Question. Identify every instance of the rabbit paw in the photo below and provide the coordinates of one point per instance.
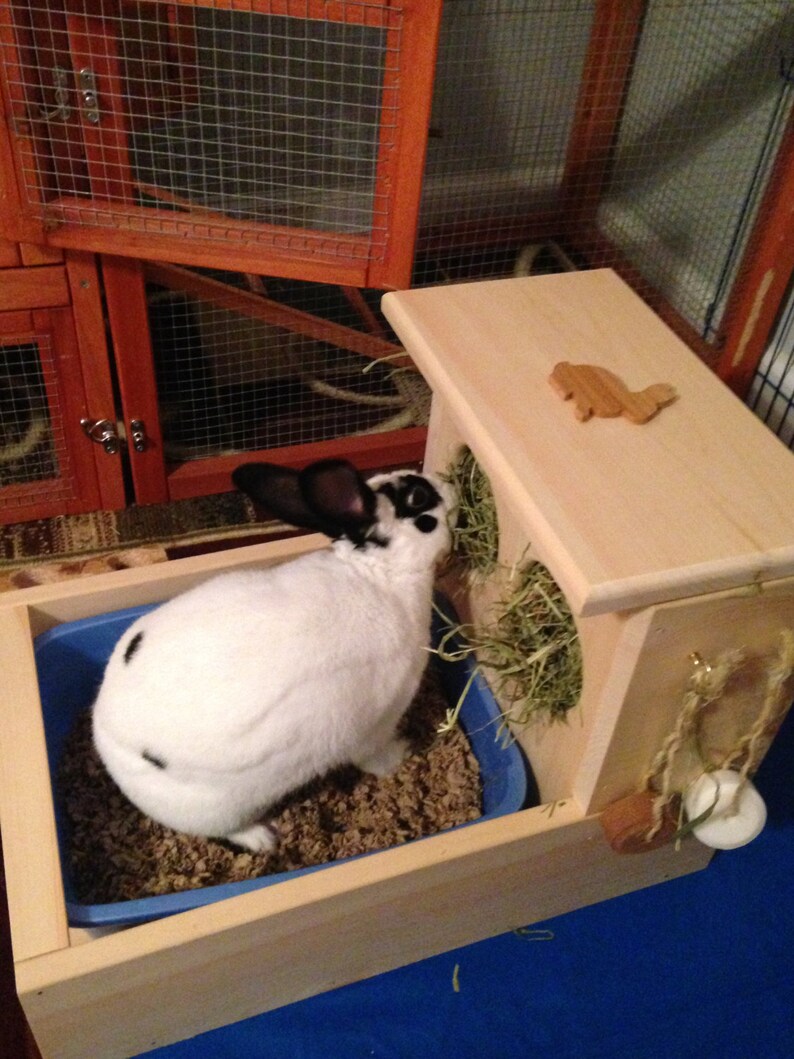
(259, 838)
(385, 760)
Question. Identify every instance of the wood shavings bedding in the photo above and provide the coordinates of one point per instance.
(118, 854)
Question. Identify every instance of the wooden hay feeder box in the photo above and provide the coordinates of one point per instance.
(667, 538)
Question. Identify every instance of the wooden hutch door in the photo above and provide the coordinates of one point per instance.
(54, 390)
(283, 137)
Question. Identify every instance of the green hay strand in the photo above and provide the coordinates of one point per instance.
(475, 538)
(530, 651)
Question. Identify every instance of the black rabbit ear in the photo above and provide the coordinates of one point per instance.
(277, 489)
(339, 497)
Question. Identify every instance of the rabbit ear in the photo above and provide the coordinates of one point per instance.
(339, 497)
(329, 496)
(277, 489)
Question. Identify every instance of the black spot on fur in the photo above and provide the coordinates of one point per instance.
(426, 523)
(411, 495)
(153, 760)
(133, 646)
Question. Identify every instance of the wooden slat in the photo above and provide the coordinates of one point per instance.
(39, 288)
(764, 275)
(94, 47)
(67, 408)
(213, 475)
(9, 254)
(408, 85)
(610, 55)
(89, 322)
(34, 254)
(151, 234)
(258, 307)
(125, 292)
(32, 868)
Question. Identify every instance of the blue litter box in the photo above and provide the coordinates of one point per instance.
(70, 661)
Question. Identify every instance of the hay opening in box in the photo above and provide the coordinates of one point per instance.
(527, 642)
(119, 867)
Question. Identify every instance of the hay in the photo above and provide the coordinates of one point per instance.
(475, 537)
(529, 650)
(530, 653)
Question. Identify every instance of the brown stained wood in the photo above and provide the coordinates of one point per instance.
(94, 356)
(628, 823)
(125, 291)
(33, 288)
(9, 254)
(595, 391)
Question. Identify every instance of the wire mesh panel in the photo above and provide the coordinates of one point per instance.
(640, 134)
(269, 125)
(508, 77)
(230, 379)
(771, 394)
(34, 456)
(709, 98)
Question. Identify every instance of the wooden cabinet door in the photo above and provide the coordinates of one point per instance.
(285, 137)
(53, 375)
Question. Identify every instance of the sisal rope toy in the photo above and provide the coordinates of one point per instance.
(722, 807)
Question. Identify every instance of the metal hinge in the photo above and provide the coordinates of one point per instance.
(88, 90)
(138, 435)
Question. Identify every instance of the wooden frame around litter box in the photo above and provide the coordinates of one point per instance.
(129, 991)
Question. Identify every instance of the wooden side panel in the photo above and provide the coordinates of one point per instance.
(33, 876)
(145, 987)
(649, 671)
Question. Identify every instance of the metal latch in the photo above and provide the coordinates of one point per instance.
(88, 91)
(103, 432)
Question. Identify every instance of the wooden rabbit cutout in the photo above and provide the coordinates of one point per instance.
(598, 392)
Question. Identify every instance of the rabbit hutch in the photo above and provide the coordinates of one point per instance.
(246, 178)
(203, 204)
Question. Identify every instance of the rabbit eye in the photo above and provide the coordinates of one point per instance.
(418, 498)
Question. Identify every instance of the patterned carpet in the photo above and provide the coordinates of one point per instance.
(72, 545)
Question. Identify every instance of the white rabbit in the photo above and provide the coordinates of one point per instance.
(218, 703)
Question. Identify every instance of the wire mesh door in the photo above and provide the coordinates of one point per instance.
(215, 365)
(209, 132)
(46, 466)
